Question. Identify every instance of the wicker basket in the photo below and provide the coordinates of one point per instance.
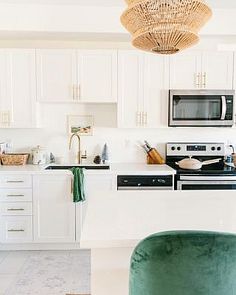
(14, 159)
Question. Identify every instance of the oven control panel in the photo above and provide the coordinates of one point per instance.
(195, 149)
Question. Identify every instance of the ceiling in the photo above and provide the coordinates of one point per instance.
(213, 3)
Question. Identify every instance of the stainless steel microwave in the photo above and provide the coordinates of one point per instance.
(201, 108)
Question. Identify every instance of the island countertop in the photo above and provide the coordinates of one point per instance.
(122, 219)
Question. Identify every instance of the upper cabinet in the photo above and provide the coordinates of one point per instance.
(142, 97)
(217, 70)
(185, 71)
(97, 75)
(130, 88)
(67, 75)
(202, 70)
(17, 88)
(57, 75)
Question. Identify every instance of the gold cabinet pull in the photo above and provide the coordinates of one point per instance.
(15, 209)
(15, 196)
(15, 181)
(143, 119)
(5, 118)
(204, 80)
(138, 118)
(198, 80)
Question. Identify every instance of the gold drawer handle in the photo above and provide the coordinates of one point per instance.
(15, 209)
(15, 195)
(15, 181)
(16, 230)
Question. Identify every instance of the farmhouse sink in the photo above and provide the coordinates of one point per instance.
(89, 167)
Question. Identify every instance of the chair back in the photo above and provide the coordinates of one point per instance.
(184, 263)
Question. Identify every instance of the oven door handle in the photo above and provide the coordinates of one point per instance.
(181, 183)
(224, 107)
(204, 179)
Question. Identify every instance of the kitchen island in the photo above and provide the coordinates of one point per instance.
(116, 222)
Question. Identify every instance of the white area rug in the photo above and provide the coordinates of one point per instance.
(53, 273)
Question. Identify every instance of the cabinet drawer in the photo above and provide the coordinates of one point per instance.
(15, 181)
(16, 229)
(16, 195)
(15, 209)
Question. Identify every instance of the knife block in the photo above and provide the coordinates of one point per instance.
(150, 161)
(154, 158)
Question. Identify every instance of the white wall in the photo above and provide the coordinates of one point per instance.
(122, 143)
(88, 19)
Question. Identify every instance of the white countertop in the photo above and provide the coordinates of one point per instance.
(122, 219)
(120, 168)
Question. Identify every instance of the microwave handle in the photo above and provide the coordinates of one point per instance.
(224, 107)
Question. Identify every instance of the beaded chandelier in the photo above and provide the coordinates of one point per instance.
(165, 26)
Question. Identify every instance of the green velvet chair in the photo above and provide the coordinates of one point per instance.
(184, 263)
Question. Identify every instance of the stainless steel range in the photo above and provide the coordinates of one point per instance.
(215, 176)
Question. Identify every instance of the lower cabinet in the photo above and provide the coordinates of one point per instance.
(16, 208)
(54, 210)
(94, 185)
(16, 229)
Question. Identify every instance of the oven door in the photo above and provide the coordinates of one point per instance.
(201, 108)
(206, 185)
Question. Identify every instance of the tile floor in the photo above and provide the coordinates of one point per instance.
(44, 272)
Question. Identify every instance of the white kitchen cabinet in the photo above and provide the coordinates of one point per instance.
(185, 70)
(155, 98)
(93, 185)
(56, 75)
(97, 75)
(202, 70)
(217, 68)
(18, 108)
(141, 93)
(54, 210)
(69, 75)
(16, 208)
(130, 88)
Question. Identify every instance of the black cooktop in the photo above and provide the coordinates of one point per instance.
(214, 169)
(207, 171)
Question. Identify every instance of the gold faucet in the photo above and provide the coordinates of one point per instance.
(79, 145)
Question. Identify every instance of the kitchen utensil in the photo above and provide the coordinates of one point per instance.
(194, 164)
(39, 156)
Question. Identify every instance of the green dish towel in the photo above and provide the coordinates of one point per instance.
(78, 184)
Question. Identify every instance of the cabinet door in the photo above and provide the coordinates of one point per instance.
(130, 88)
(97, 80)
(6, 106)
(21, 87)
(185, 70)
(54, 210)
(94, 185)
(155, 95)
(217, 70)
(56, 75)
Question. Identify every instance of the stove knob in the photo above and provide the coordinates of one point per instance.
(219, 148)
(213, 148)
(173, 148)
(178, 148)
